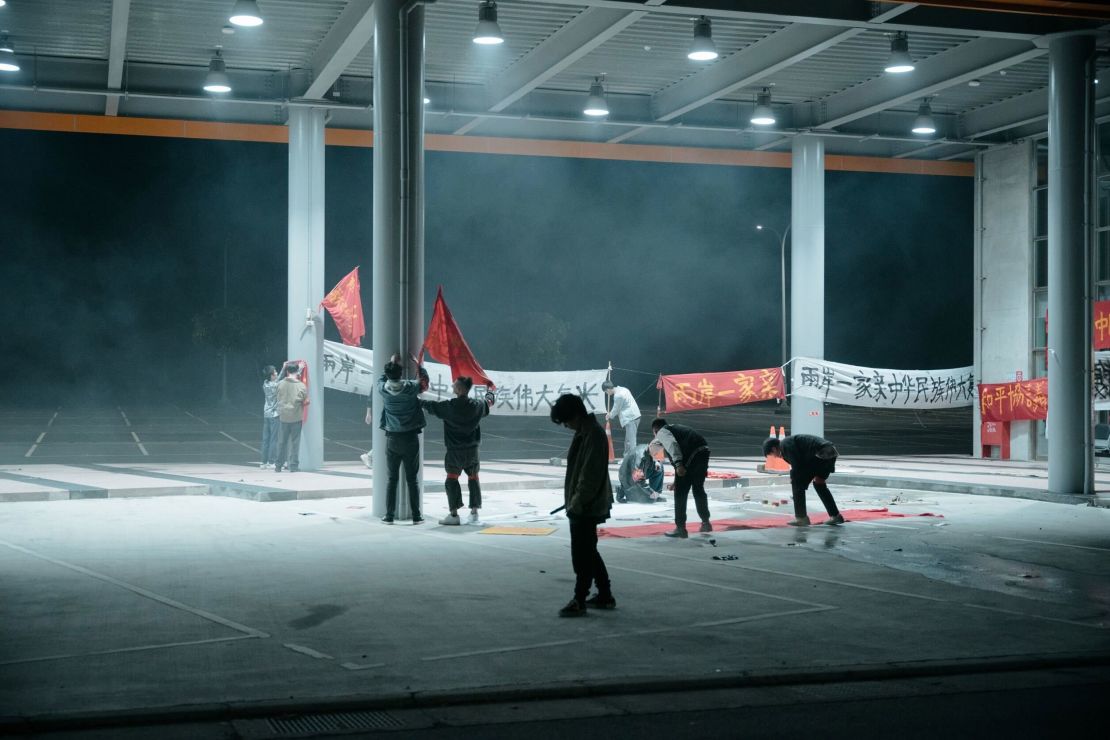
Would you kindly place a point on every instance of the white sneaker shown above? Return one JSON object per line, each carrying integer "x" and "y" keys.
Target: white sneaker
{"x": 366, "y": 459}
{"x": 450, "y": 520}
{"x": 473, "y": 518}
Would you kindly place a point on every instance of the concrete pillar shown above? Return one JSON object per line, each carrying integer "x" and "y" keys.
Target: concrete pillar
{"x": 807, "y": 272}
{"x": 398, "y": 303}
{"x": 1070, "y": 126}
{"x": 305, "y": 327}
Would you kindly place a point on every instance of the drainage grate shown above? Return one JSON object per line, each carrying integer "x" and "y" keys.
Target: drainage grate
{"x": 309, "y": 723}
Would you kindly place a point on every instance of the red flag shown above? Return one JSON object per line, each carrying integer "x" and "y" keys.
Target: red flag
{"x": 445, "y": 343}
{"x": 345, "y": 306}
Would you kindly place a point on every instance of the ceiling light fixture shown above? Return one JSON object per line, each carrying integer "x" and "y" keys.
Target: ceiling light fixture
{"x": 217, "y": 80}
{"x": 702, "y": 49}
{"x": 7, "y": 56}
{"x": 763, "y": 115}
{"x": 924, "y": 123}
{"x": 595, "y": 102}
{"x": 900, "y": 61}
{"x": 488, "y": 33}
{"x": 246, "y": 13}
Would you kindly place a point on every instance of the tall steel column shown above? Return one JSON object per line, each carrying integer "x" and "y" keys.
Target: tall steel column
{"x": 807, "y": 271}
{"x": 305, "y": 328}
{"x": 1070, "y": 127}
{"x": 398, "y": 303}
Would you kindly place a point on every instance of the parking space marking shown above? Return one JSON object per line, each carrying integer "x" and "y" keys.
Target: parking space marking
{"x": 137, "y": 649}
{"x": 1060, "y": 620}
{"x": 255, "y": 449}
{"x": 202, "y": 421}
{"x": 307, "y": 651}
{"x": 202, "y": 613}
{"x": 1056, "y": 544}
{"x": 343, "y": 444}
{"x": 36, "y": 444}
{"x": 139, "y": 443}
{"x": 52, "y": 418}
{"x": 125, "y": 419}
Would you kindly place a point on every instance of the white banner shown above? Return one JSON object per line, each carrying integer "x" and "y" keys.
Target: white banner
{"x": 881, "y": 387}
{"x": 1101, "y": 384}
{"x": 351, "y": 369}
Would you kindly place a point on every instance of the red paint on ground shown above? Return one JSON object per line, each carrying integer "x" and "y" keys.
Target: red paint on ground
{"x": 765, "y": 522}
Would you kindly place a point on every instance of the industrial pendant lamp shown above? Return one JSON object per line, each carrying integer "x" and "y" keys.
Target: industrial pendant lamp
{"x": 924, "y": 123}
{"x": 488, "y": 33}
{"x": 763, "y": 115}
{"x": 245, "y": 13}
{"x": 7, "y": 56}
{"x": 900, "y": 61}
{"x": 702, "y": 49}
{"x": 595, "y": 102}
{"x": 217, "y": 80}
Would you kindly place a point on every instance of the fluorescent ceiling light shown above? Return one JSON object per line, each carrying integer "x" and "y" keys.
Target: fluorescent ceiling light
{"x": 763, "y": 115}
{"x": 217, "y": 80}
{"x": 900, "y": 61}
{"x": 595, "y": 102}
{"x": 702, "y": 49}
{"x": 924, "y": 123}
{"x": 488, "y": 33}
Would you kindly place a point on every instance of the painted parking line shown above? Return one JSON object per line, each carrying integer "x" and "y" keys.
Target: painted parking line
{"x": 344, "y": 444}
{"x": 52, "y": 418}
{"x": 202, "y": 421}
{"x": 237, "y": 441}
{"x": 125, "y": 419}
{"x": 1054, "y": 544}
{"x": 136, "y": 649}
{"x": 307, "y": 651}
{"x": 139, "y": 443}
{"x": 202, "y": 613}
{"x": 35, "y": 445}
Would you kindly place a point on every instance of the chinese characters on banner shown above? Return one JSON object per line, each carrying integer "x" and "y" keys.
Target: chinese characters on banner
{"x": 1018, "y": 401}
{"x": 351, "y": 369}
{"x": 880, "y": 387}
{"x": 709, "y": 390}
{"x": 1101, "y": 326}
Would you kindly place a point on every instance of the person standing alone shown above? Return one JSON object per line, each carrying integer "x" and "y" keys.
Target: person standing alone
{"x": 625, "y": 411}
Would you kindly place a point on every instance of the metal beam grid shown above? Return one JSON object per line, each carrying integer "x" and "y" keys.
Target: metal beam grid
{"x": 176, "y": 32}
{"x": 629, "y": 67}
{"x": 848, "y": 63}
{"x": 82, "y": 30}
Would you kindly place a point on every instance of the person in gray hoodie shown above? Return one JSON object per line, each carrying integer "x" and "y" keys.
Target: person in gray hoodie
{"x": 461, "y": 434}
{"x": 403, "y": 421}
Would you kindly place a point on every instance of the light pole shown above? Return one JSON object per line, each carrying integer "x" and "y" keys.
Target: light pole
{"x": 782, "y": 289}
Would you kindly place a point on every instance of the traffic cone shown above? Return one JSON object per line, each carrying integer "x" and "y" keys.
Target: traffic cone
{"x": 774, "y": 464}
{"x": 609, "y": 437}
{"x": 782, "y": 433}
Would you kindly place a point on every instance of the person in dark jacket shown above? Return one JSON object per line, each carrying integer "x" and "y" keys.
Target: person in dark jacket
{"x": 588, "y": 497}
{"x": 689, "y": 453}
{"x": 812, "y": 460}
{"x": 403, "y": 421}
{"x": 461, "y": 434}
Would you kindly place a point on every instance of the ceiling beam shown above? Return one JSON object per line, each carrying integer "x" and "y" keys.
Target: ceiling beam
{"x": 347, "y": 38}
{"x": 949, "y": 68}
{"x": 585, "y": 32}
{"x": 117, "y": 52}
{"x": 857, "y": 14}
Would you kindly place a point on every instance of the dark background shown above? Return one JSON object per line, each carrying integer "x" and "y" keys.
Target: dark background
{"x": 113, "y": 255}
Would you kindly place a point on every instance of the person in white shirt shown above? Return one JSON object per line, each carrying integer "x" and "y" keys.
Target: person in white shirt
{"x": 625, "y": 411}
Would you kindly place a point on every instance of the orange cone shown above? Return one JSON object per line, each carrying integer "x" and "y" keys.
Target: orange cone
{"x": 774, "y": 464}
{"x": 609, "y": 438}
{"x": 782, "y": 433}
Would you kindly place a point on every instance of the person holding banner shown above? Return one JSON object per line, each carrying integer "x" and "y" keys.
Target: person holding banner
{"x": 461, "y": 434}
{"x": 625, "y": 411}
{"x": 689, "y": 453}
{"x": 403, "y": 421}
{"x": 588, "y": 498}
{"x": 812, "y": 459}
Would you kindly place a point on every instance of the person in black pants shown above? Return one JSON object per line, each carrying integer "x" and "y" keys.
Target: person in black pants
{"x": 689, "y": 453}
{"x": 812, "y": 460}
{"x": 588, "y": 497}
{"x": 403, "y": 421}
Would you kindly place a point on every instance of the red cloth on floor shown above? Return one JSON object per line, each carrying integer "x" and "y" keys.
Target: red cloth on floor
{"x": 764, "y": 522}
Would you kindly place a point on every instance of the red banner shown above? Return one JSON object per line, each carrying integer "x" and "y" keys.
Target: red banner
{"x": 1019, "y": 401}
{"x": 710, "y": 390}
{"x": 1101, "y": 327}
{"x": 345, "y": 306}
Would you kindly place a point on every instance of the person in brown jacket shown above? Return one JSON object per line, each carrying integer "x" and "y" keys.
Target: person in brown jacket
{"x": 292, "y": 396}
{"x": 588, "y": 497}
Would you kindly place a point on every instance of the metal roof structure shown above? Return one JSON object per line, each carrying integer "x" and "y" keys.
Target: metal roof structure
{"x": 984, "y": 72}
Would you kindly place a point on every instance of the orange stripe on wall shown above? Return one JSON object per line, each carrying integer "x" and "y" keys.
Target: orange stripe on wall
{"x": 272, "y": 134}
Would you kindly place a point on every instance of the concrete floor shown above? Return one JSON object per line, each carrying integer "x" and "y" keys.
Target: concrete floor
{"x": 199, "y": 607}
